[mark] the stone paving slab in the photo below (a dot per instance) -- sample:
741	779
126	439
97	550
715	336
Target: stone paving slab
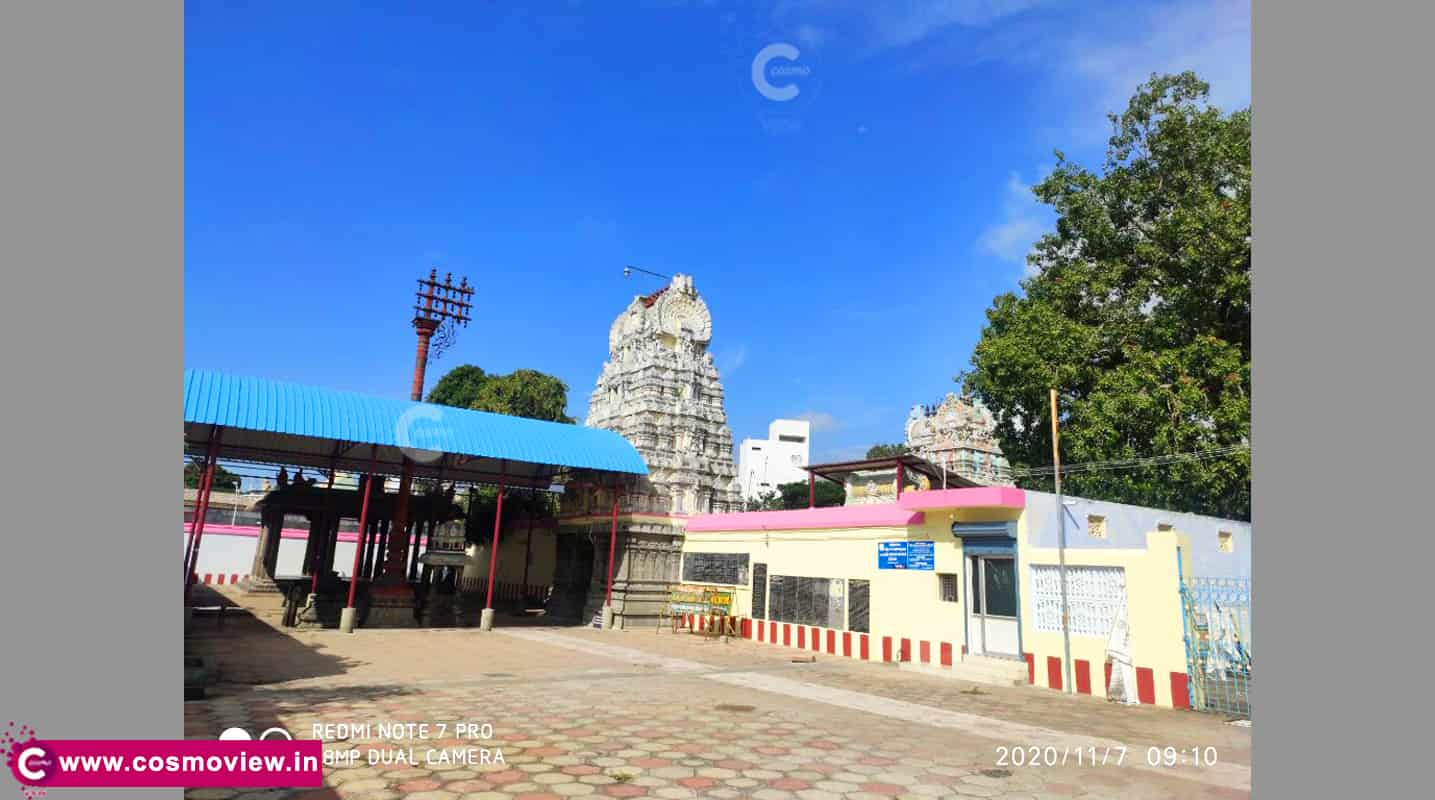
584	713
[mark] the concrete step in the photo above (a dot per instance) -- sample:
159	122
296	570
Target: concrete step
977	669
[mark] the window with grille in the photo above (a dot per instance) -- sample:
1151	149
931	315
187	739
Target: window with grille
947	587
859	601
725	568
759	591
806	601
1096	526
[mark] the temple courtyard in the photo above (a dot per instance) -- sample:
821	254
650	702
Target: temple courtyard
534	711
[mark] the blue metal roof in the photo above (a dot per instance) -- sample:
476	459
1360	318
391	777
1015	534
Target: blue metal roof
274	407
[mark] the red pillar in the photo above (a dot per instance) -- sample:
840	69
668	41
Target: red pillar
612	545
899	479
201	510
363	526
493	556
811	490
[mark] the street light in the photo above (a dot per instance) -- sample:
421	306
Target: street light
630	269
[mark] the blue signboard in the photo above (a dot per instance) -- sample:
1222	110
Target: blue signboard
907	555
922	555
891	555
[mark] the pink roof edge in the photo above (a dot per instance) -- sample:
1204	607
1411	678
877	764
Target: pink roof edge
971	497
873	516
908	510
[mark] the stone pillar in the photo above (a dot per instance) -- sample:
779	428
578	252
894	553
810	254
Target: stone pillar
318	527
266	553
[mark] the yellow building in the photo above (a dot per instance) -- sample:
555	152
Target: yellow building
968	579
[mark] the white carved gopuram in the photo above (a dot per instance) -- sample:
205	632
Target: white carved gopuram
959	435
660	389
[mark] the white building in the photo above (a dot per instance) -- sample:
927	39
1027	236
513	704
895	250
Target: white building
765	464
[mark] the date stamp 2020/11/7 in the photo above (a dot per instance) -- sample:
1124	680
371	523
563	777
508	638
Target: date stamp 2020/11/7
1052	756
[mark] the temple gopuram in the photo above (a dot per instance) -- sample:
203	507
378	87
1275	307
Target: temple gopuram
958	435
660	389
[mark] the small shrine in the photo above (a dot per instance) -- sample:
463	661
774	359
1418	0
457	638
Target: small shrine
320	592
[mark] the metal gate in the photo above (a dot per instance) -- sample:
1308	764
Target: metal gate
1217	625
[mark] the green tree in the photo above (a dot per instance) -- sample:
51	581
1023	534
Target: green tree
887	450
224	480
1139	311
459	387
794	495
769	500
521	393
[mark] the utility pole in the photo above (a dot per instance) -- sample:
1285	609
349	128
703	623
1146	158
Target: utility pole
1061	547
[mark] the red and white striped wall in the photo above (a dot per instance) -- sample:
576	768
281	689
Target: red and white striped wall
219	579
1051	677
892	649
848	644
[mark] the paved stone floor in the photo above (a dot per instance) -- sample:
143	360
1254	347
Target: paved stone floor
577	712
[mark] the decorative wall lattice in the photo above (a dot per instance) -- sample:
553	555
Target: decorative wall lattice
759	591
859	605
725	568
1094	595
806	601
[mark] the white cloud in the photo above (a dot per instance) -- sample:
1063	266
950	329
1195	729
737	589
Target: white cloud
819	420
1097	65
884	25
1023	221
731	359
897	24
1209	37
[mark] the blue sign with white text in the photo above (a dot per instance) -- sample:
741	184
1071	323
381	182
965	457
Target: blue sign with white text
907	555
891	555
922	555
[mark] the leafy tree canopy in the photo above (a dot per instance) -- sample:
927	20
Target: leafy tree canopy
886	450
224	480
794	495
521	393
1139	311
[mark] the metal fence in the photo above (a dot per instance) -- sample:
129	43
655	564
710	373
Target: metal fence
1217	625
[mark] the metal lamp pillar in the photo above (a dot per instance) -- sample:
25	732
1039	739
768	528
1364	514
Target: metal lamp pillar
485	621
346	618
201	510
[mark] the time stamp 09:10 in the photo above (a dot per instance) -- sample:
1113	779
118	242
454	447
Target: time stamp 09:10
1093	756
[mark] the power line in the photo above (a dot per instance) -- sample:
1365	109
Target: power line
1133	463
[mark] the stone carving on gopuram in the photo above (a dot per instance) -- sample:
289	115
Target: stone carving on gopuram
659	388
959	435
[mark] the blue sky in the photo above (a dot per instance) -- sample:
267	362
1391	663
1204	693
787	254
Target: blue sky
847	240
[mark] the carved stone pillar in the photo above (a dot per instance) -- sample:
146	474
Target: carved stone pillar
266	553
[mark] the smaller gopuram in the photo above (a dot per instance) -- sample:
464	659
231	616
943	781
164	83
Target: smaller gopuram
958	435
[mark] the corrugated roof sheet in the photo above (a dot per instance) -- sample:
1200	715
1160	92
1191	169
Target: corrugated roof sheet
212	398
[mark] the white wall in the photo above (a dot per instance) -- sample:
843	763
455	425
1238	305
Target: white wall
772	461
